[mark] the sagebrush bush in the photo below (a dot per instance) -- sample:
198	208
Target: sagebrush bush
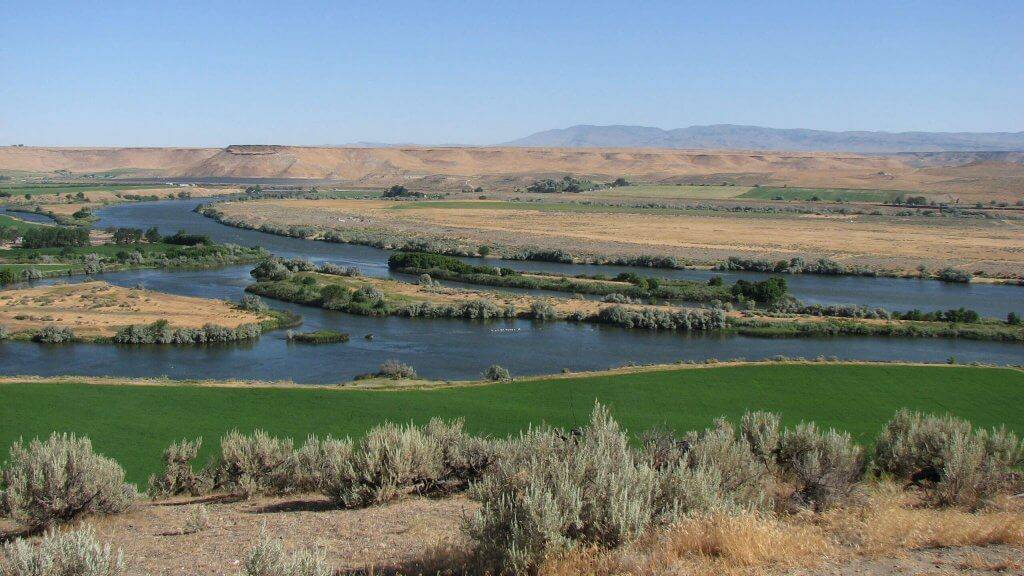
318	462
823	467
178	477
718	472
388	460
71	553
268	558
549	492
396	370
762	432
61	479
254	465
198	519
963	466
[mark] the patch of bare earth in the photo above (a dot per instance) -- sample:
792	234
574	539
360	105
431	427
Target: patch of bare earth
99	309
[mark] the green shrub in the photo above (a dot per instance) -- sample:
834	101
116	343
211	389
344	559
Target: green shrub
318	464
253	303
497	373
71	553
60	480
53	334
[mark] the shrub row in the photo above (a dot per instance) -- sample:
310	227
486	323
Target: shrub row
160	332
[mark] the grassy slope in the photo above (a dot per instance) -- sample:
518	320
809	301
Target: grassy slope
135	423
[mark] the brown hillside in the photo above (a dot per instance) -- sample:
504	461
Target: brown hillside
509	167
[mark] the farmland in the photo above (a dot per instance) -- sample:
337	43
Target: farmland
856	398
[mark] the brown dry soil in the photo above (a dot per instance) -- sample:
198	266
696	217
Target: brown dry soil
410	535
511	167
98	309
883	243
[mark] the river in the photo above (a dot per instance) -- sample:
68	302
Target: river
460	349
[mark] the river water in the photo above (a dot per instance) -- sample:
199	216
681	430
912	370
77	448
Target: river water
461	349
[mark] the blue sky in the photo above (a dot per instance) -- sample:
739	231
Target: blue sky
216	73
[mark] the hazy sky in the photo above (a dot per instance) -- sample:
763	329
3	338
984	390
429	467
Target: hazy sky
217	73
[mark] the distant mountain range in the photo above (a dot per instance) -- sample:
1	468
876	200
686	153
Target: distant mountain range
730	136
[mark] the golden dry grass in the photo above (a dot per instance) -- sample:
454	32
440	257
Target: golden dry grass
900	244
99	309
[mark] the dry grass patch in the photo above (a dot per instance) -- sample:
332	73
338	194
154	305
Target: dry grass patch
900	244
99	309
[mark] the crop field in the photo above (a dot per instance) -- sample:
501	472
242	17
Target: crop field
134	423
537	206
669	192
823	194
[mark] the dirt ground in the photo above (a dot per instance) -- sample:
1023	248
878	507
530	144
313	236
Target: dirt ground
99	309
420	534
886	243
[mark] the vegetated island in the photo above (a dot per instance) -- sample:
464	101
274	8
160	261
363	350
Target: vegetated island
100	312
329	286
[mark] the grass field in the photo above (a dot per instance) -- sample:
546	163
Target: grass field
669	192
823	194
135	423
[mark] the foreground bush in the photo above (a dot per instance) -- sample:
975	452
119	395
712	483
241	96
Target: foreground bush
267	558
823	467
964	466
254	465
73	553
549	492
392	460
178	477
60	480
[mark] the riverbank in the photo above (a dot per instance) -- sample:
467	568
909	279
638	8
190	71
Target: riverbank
384	297
542	231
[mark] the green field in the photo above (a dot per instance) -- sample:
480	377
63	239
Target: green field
135	423
13	222
38	189
823	194
669	192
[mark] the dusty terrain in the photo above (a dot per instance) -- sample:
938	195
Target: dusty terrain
901	244
421	536
510	167
99	309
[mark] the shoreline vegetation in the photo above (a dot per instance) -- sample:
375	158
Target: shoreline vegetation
400	241
333	288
